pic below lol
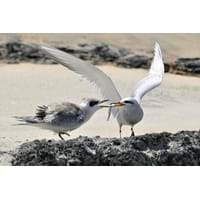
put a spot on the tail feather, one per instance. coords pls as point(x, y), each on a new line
point(26, 120)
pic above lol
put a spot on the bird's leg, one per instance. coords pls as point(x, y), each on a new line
point(120, 131)
point(132, 131)
point(65, 133)
point(62, 133)
point(60, 136)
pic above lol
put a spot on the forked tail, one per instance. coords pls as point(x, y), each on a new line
point(26, 119)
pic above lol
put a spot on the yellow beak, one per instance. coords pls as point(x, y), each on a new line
point(116, 104)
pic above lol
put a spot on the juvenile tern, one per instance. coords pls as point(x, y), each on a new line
point(63, 118)
point(128, 111)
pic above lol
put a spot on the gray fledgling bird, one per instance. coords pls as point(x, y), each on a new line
point(63, 118)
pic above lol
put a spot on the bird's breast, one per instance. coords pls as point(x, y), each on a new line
point(130, 114)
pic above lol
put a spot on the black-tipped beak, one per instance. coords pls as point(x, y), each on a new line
point(103, 101)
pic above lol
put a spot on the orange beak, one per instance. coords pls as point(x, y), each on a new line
point(116, 104)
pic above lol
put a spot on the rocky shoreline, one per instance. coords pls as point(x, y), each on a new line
point(158, 149)
point(98, 53)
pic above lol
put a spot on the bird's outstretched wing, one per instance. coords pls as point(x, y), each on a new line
point(90, 72)
point(154, 77)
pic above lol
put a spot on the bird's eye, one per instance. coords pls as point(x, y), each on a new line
point(93, 103)
point(130, 102)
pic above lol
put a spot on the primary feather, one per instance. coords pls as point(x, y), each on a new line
point(154, 77)
point(89, 71)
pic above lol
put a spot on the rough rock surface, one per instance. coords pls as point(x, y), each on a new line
point(188, 65)
point(15, 52)
point(182, 148)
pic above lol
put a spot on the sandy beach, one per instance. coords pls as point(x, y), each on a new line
point(171, 107)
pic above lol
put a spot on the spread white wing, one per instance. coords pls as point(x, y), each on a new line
point(154, 77)
point(90, 72)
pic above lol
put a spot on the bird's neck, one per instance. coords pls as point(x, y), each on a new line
point(137, 99)
point(88, 112)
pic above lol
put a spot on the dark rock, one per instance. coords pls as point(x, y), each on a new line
point(168, 66)
point(134, 61)
point(16, 52)
point(190, 65)
point(98, 53)
point(182, 148)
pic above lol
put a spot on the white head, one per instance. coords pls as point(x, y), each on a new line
point(90, 105)
point(128, 101)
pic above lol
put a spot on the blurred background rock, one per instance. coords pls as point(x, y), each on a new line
point(173, 44)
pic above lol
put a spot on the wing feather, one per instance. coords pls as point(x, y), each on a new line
point(88, 71)
point(154, 77)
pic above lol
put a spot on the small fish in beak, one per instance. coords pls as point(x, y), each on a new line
point(116, 104)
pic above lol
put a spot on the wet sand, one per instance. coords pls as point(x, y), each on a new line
point(172, 107)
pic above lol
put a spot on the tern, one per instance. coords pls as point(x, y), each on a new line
point(64, 117)
point(128, 110)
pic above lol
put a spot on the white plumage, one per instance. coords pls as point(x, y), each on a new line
point(154, 77)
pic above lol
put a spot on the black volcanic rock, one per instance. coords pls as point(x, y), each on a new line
point(134, 61)
point(97, 53)
point(16, 52)
point(182, 148)
point(191, 65)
